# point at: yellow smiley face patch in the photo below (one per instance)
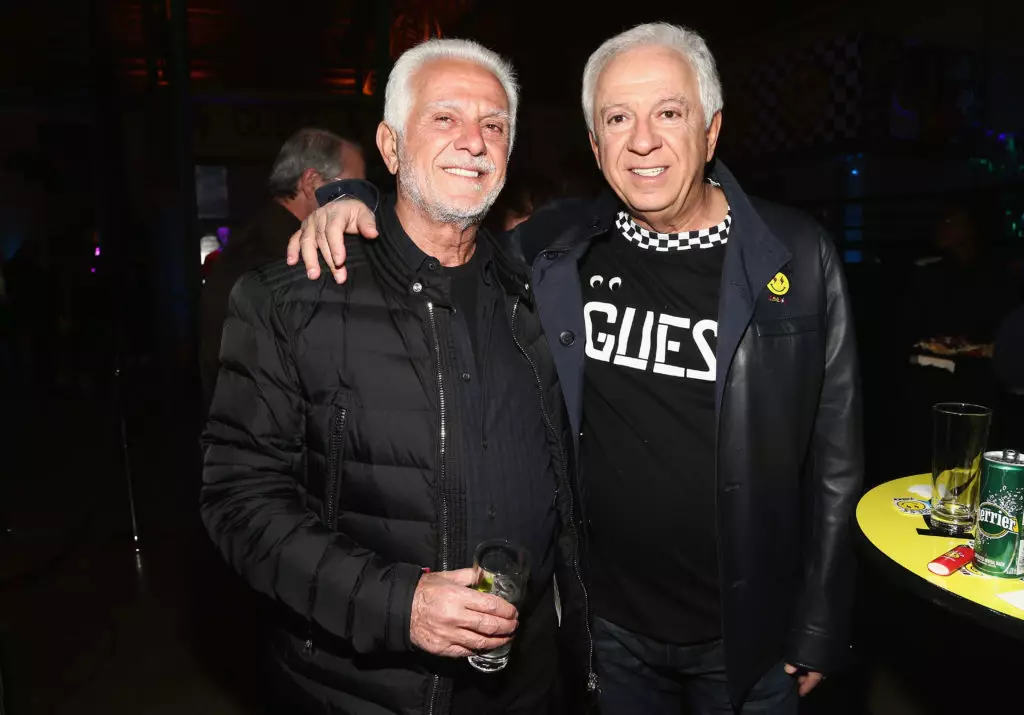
(779, 285)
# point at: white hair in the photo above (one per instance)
(685, 41)
(399, 95)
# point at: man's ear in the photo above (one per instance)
(308, 184)
(594, 148)
(712, 135)
(387, 144)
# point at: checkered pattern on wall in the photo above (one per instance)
(806, 97)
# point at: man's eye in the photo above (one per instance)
(496, 128)
(617, 119)
(670, 114)
(444, 119)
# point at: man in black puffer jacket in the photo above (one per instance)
(364, 438)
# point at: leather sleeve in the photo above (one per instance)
(250, 502)
(819, 633)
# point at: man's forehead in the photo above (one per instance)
(655, 97)
(487, 109)
(441, 70)
(648, 64)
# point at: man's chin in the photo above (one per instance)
(464, 210)
(464, 214)
(645, 206)
(646, 201)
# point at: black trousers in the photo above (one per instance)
(642, 675)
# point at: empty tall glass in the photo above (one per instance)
(961, 431)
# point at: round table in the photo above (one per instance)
(899, 544)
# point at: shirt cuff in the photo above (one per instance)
(357, 189)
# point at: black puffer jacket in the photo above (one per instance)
(327, 476)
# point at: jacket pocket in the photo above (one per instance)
(787, 326)
(335, 463)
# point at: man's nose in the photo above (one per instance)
(643, 139)
(471, 140)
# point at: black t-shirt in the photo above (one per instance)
(649, 428)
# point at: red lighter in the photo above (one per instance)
(951, 560)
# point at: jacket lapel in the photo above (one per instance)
(752, 258)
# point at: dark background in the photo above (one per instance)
(873, 116)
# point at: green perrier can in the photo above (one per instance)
(997, 544)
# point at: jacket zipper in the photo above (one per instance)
(334, 464)
(443, 444)
(333, 484)
(592, 682)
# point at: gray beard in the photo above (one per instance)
(436, 210)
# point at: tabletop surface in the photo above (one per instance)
(895, 534)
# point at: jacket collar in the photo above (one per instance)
(412, 256)
(752, 257)
(408, 263)
(755, 251)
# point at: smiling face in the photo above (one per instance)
(649, 136)
(452, 154)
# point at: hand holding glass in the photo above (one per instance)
(503, 570)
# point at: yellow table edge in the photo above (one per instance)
(895, 534)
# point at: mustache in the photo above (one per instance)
(473, 163)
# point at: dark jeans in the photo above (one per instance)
(641, 675)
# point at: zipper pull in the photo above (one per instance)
(592, 684)
(308, 647)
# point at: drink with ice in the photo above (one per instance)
(502, 570)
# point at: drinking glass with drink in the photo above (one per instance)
(503, 570)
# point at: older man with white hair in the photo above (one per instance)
(365, 438)
(705, 350)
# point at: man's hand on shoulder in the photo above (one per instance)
(325, 229)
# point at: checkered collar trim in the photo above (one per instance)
(666, 242)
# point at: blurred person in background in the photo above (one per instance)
(522, 196)
(1008, 356)
(960, 293)
(309, 159)
(529, 190)
(1008, 366)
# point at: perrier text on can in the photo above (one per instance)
(997, 536)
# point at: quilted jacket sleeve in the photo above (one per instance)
(250, 502)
